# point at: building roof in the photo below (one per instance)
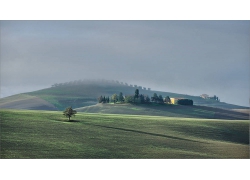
(204, 95)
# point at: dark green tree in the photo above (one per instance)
(120, 98)
(129, 99)
(68, 112)
(100, 99)
(154, 98)
(137, 93)
(114, 98)
(147, 100)
(142, 98)
(108, 99)
(167, 100)
(160, 99)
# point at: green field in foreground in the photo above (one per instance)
(47, 134)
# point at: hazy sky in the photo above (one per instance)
(189, 57)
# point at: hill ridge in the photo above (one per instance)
(85, 93)
(166, 110)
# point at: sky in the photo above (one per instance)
(187, 57)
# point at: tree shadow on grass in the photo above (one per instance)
(73, 121)
(64, 120)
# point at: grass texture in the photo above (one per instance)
(29, 134)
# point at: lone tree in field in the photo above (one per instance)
(68, 112)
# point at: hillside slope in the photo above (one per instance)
(24, 101)
(85, 93)
(165, 110)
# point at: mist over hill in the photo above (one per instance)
(83, 93)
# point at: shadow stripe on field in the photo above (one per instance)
(148, 133)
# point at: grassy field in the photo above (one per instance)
(47, 134)
(169, 110)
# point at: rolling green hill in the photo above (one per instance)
(168, 110)
(84, 93)
(47, 134)
(25, 101)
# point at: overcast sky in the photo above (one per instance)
(189, 57)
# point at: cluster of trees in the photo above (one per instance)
(136, 98)
(215, 98)
(103, 99)
(140, 98)
(114, 98)
(118, 98)
(97, 81)
(160, 99)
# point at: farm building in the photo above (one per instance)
(175, 100)
(204, 96)
(181, 101)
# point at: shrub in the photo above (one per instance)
(129, 99)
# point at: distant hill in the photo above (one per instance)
(85, 93)
(168, 110)
(24, 101)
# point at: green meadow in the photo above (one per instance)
(166, 110)
(47, 134)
